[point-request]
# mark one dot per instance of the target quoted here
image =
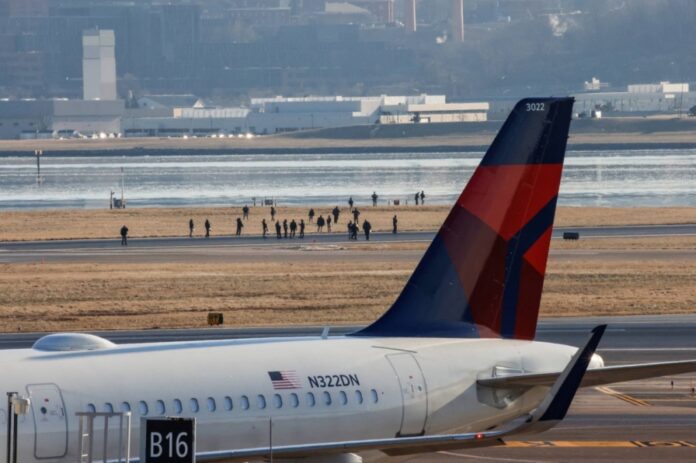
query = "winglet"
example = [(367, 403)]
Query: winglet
[(557, 402)]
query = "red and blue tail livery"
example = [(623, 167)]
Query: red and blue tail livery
[(483, 274)]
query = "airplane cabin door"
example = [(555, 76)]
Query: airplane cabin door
[(413, 391), (50, 421)]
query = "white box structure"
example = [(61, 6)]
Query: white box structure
[(99, 65)]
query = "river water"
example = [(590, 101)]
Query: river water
[(591, 178)]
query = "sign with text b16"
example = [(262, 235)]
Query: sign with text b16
[(168, 440)]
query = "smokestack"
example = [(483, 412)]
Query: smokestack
[(458, 20), (410, 16)]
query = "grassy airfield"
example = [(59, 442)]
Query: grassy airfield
[(599, 276)]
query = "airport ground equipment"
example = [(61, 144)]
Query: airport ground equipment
[(86, 436), (16, 405)]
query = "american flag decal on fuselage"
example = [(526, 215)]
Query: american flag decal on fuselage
[(285, 379)]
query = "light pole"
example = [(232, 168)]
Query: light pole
[(123, 204), (38, 154)]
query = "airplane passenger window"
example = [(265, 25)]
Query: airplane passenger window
[(344, 398), (327, 398), (211, 404), (260, 401), (358, 396), (142, 407), (108, 408), (194, 405), (159, 406), (294, 400), (277, 401), (91, 408), (178, 406), (310, 399), (228, 403), (125, 407), (375, 397), (245, 403)]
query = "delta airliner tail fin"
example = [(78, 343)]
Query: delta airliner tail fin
[(483, 274)]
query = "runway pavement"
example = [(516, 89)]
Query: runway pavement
[(639, 421), (251, 248)]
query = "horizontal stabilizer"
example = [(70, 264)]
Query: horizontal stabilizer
[(597, 376)]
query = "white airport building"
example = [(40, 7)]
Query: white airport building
[(288, 114)]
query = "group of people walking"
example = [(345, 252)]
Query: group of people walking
[(295, 228), (207, 226), (353, 230), (286, 230)]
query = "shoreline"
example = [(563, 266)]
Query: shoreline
[(284, 144), (376, 149)]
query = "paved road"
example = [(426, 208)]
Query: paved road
[(246, 247), (333, 238)]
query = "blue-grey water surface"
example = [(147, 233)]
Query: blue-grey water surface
[(591, 178)]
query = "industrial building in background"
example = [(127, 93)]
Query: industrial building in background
[(99, 65), (279, 114), (104, 68)]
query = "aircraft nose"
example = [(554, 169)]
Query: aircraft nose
[(596, 362)]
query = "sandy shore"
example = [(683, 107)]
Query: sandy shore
[(158, 222), (282, 143)]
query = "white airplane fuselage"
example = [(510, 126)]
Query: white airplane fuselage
[(334, 389)]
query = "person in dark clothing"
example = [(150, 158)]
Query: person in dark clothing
[(356, 215), (328, 223), (190, 228), (245, 212), (124, 236), (350, 229), (293, 228), (264, 227), (302, 225), (240, 225), (416, 197), (207, 228), (285, 228), (395, 221), (336, 211), (354, 231), (273, 213), (422, 196), (367, 227), (350, 202), (311, 215), (277, 226), (320, 224), (374, 198)]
